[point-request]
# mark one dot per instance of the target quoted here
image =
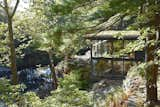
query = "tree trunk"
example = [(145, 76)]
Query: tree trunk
[(12, 53), (10, 15), (152, 94), (151, 73), (66, 68), (51, 65)]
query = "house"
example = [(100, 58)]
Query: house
[(105, 46)]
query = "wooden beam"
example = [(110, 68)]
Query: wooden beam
[(114, 59), (111, 37), (92, 66)]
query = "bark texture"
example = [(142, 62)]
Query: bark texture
[(51, 65), (151, 73), (10, 15)]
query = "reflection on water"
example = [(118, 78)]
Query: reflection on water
[(36, 79)]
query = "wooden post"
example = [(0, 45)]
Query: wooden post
[(91, 53), (112, 63), (101, 48), (123, 62)]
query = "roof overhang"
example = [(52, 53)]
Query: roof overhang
[(114, 35)]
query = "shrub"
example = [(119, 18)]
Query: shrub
[(102, 66), (68, 97), (10, 94), (30, 99), (68, 93), (13, 96)]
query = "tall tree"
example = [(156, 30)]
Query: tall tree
[(147, 14), (10, 14), (58, 24)]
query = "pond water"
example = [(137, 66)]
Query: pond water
[(35, 79)]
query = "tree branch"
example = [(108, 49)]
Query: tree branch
[(6, 7), (15, 8), (2, 6)]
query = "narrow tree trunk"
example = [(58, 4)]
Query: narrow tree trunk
[(51, 65), (66, 69), (152, 94), (10, 15), (12, 53), (151, 73)]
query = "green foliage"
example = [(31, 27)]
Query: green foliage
[(10, 94), (138, 70), (58, 26), (71, 80), (30, 99), (133, 46), (78, 78), (69, 94), (158, 52), (84, 74), (3, 44), (102, 66), (69, 97)]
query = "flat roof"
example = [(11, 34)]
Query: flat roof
[(114, 35)]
